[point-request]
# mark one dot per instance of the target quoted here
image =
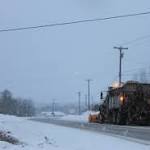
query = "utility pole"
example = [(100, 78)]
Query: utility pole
[(79, 102), (89, 81), (121, 54), (92, 101), (53, 107), (86, 103)]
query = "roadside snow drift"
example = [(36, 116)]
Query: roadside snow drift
[(37, 136), (77, 118)]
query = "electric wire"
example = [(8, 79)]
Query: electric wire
[(141, 38), (75, 22)]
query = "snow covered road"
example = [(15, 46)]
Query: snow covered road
[(37, 136), (134, 133)]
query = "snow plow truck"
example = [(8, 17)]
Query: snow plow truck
[(128, 104)]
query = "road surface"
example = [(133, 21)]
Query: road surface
[(137, 134)]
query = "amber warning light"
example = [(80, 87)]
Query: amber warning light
[(121, 98)]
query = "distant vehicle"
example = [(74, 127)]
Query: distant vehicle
[(128, 104)]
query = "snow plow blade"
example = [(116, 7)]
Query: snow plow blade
[(93, 118)]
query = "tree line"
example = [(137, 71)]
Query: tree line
[(15, 106)]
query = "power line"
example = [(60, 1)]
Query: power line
[(136, 69), (131, 74), (75, 22), (136, 40)]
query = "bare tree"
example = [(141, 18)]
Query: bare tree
[(143, 77), (15, 106)]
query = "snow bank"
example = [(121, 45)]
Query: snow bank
[(80, 118), (49, 114)]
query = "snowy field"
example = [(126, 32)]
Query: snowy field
[(41, 136), (79, 118)]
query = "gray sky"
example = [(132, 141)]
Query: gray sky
[(55, 62)]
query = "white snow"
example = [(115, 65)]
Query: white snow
[(49, 114), (42, 136), (80, 118), (61, 116)]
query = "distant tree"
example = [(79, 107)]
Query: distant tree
[(143, 77), (149, 75), (135, 77), (28, 108), (6, 94), (6, 101), (15, 106)]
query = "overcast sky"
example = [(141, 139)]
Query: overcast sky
[(49, 63)]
